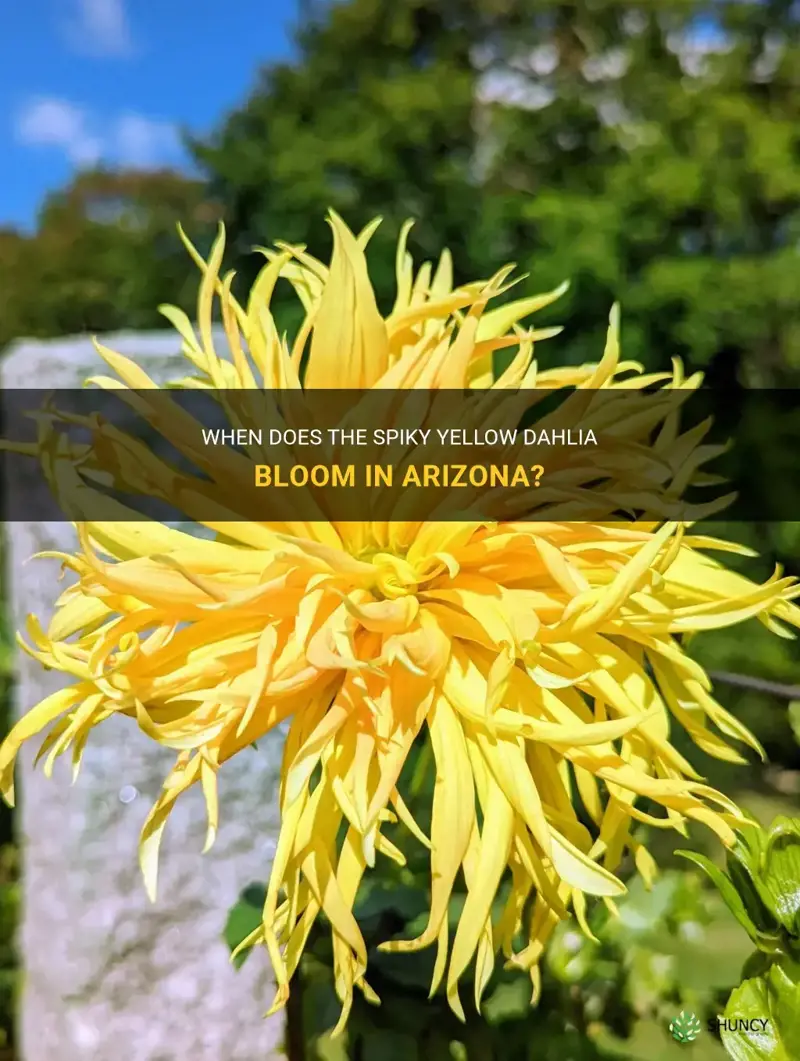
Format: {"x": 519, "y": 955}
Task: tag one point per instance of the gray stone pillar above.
{"x": 106, "y": 973}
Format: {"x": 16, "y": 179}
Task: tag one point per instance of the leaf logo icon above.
{"x": 685, "y": 1027}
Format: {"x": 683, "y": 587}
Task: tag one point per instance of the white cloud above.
{"x": 128, "y": 139}
{"x": 100, "y": 27}
{"x": 54, "y": 122}
{"x": 142, "y": 141}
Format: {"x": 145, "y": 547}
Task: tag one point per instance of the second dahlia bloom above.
{"x": 541, "y": 660}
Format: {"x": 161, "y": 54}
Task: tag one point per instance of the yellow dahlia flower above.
{"x": 539, "y": 659}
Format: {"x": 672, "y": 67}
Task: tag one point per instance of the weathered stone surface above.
{"x": 108, "y": 975}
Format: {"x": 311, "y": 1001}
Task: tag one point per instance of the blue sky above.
{"x": 112, "y": 81}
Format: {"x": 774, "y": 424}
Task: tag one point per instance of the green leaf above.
{"x": 759, "y": 913}
{"x": 726, "y": 889}
{"x": 758, "y": 964}
{"x": 785, "y": 994}
{"x": 773, "y": 1001}
{"x": 750, "y": 843}
{"x": 780, "y": 878}
{"x": 244, "y": 917}
{"x": 745, "y": 856}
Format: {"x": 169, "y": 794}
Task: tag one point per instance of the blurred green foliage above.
{"x": 104, "y": 256}
{"x": 647, "y": 152}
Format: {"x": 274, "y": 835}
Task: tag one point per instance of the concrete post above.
{"x": 106, "y": 974}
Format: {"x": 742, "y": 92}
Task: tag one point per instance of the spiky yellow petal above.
{"x": 527, "y": 657}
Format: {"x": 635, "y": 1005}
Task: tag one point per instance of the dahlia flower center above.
{"x": 394, "y": 576}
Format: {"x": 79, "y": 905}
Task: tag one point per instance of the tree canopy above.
{"x": 104, "y": 255}
{"x": 647, "y": 152}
